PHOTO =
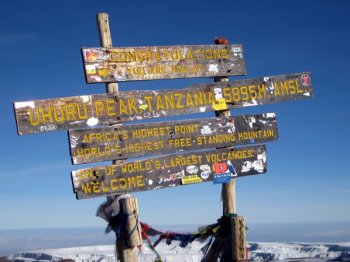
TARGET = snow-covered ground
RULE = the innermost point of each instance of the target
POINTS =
(192, 253)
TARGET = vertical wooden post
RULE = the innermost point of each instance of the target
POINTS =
(106, 41)
(129, 206)
(126, 250)
(238, 239)
(228, 191)
(228, 195)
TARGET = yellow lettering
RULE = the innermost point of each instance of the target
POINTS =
(132, 107)
(217, 54)
(31, 118)
(208, 54)
(252, 92)
(122, 183)
(114, 184)
(139, 180)
(299, 91)
(179, 104)
(227, 95)
(122, 57)
(189, 101)
(189, 54)
(99, 106)
(122, 107)
(110, 108)
(113, 57)
(262, 91)
(198, 98)
(149, 103)
(160, 105)
(224, 54)
(57, 118)
(86, 115)
(131, 181)
(284, 88)
(292, 87)
(86, 187)
(46, 115)
(131, 56)
(95, 187)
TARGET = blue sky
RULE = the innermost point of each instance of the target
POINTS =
(308, 173)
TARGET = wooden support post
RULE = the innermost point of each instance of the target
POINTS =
(106, 41)
(238, 238)
(125, 251)
(228, 190)
(133, 226)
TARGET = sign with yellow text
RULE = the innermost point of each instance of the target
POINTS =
(106, 109)
(127, 141)
(169, 171)
(162, 62)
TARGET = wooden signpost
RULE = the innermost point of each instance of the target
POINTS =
(169, 171)
(96, 133)
(125, 250)
(106, 109)
(161, 62)
(127, 141)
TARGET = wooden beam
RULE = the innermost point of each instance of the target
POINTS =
(105, 109)
(169, 171)
(161, 62)
(125, 252)
(128, 141)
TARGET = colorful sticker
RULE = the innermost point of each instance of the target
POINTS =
(221, 178)
(305, 80)
(218, 93)
(191, 180)
(143, 107)
(102, 71)
(205, 168)
(90, 69)
(92, 121)
(205, 175)
(257, 165)
(206, 130)
(90, 56)
(225, 168)
(213, 68)
(74, 141)
(119, 75)
(192, 170)
(220, 104)
(231, 126)
(251, 121)
(269, 85)
(206, 171)
(236, 49)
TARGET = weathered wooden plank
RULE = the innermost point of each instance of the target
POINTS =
(169, 171)
(127, 141)
(161, 62)
(106, 109)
